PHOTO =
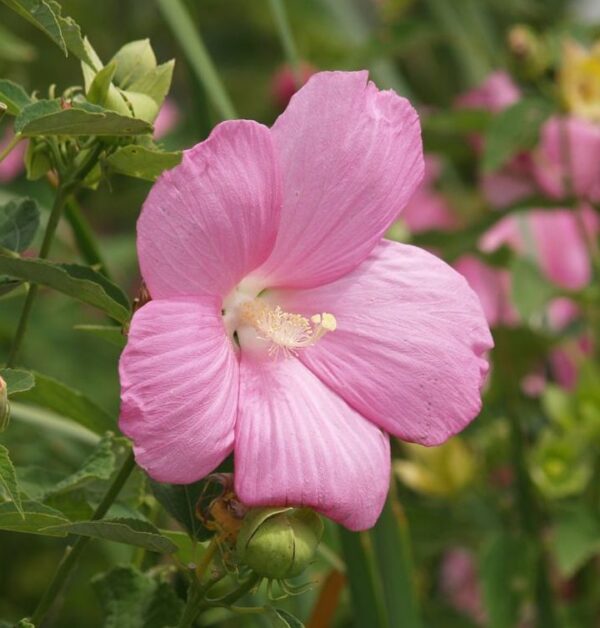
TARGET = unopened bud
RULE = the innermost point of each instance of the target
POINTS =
(4, 406)
(279, 543)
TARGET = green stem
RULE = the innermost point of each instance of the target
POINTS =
(195, 602)
(287, 39)
(59, 202)
(84, 237)
(15, 140)
(182, 25)
(71, 555)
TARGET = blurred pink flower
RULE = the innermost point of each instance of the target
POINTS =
(428, 209)
(167, 119)
(496, 93)
(459, 583)
(282, 326)
(511, 184)
(553, 238)
(12, 165)
(284, 84)
(492, 286)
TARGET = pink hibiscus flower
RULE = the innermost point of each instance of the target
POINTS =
(284, 83)
(282, 326)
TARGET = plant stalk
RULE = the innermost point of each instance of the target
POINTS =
(287, 39)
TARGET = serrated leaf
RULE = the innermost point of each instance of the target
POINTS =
(513, 130)
(13, 96)
(133, 60)
(98, 90)
(71, 33)
(79, 282)
(110, 333)
(132, 599)
(19, 222)
(70, 403)
(37, 519)
(47, 117)
(8, 479)
(123, 530)
(17, 380)
(141, 162)
(98, 466)
(41, 15)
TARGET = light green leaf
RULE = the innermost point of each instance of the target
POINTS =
(19, 222)
(17, 380)
(13, 96)
(110, 333)
(37, 160)
(79, 282)
(531, 291)
(98, 90)
(132, 599)
(282, 619)
(141, 162)
(47, 117)
(155, 83)
(123, 530)
(98, 466)
(142, 106)
(68, 402)
(513, 130)
(8, 479)
(37, 520)
(41, 15)
(133, 60)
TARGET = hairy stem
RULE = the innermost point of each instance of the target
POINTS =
(71, 555)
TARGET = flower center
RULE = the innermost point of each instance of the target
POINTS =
(285, 332)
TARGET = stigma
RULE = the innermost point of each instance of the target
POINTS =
(284, 331)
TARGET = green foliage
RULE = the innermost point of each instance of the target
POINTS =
(13, 96)
(282, 619)
(531, 291)
(17, 380)
(132, 599)
(39, 518)
(19, 222)
(142, 162)
(8, 480)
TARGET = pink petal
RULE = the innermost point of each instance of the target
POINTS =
(497, 92)
(568, 146)
(351, 158)
(506, 187)
(407, 351)
(211, 220)
(167, 119)
(179, 389)
(12, 165)
(297, 443)
(492, 286)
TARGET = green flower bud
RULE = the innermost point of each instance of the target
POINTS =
(4, 406)
(279, 543)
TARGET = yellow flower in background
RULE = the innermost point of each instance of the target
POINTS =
(440, 471)
(579, 80)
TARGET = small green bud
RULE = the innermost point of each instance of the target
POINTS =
(279, 542)
(4, 406)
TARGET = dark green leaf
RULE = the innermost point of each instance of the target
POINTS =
(73, 505)
(72, 404)
(8, 479)
(13, 96)
(531, 291)
(132, 599)
(17, 380)
(19, 221)
(141, 162)
(41, 15)
(513, 130)
(71, 33)
(47, 117)
(79, 282)
(110, 333)
(123, 530)
(37, 518)
(576, 539)
(457, 121)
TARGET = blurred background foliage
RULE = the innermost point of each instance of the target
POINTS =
(475, 546)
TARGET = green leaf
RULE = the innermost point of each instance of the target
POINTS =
(47, 117)
(79, 282)
(457, 121)
(391, 543)
(37, 520)
(8, 479)
(141, 162)
(132, 599)
(123, 530)
(531, 291)
(51, 394)
(17, 380)
(513, 130)
(98, 90)
(282, 619)
(576, 539)
(37, 160)
(71, 32)
(13, 96)
(19, 222)
(366, 588)
(110, 333)
(98, 466)
(133, 60)
(155, 83)
(73, 505)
